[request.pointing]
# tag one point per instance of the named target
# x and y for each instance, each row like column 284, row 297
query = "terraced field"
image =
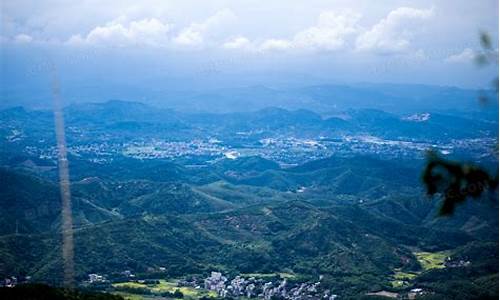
column 428, row 261
column 432, row 260
column 154, row 291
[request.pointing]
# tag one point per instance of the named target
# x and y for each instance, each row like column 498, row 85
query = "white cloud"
column 23, row 38
column 275, row 44
column 195, row 34
column 239, row 42
column 150, row 32
column 75, row 40
column 392, row 34
column 467, row 55
column 190, row 36
column 329, row 33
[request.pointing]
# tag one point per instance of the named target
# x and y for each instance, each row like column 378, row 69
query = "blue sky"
column 226, row 43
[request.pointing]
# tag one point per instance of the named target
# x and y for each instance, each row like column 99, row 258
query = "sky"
column 209, row 44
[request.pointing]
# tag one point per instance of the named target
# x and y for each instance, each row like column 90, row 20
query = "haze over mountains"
column 322, row 99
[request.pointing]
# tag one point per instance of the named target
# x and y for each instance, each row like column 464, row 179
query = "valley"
column 283, row 197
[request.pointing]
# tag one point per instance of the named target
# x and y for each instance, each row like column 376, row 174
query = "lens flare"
column 64, row 183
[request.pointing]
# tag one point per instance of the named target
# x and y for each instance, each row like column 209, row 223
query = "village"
column 263, row 289
column 217, row 285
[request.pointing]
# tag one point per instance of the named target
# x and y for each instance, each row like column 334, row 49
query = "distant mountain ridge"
column 136, row 118
column 325, row 98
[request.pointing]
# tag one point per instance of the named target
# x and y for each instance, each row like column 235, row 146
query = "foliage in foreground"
column 45, row 292
column 457, row 181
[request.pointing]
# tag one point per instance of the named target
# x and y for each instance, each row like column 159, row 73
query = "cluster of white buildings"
column 9, row 282
column 96, row 278
column 259, row 288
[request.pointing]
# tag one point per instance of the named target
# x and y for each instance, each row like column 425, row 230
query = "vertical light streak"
column 67, row 219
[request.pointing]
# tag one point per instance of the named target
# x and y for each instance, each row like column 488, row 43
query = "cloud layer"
column 393, row 33
column 328, row 34
column 195, row 34
column 465, row 56
column 150, row 32
column 332, row 31
column 362, row 40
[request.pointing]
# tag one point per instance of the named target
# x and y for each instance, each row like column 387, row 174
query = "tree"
column 456, row 181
